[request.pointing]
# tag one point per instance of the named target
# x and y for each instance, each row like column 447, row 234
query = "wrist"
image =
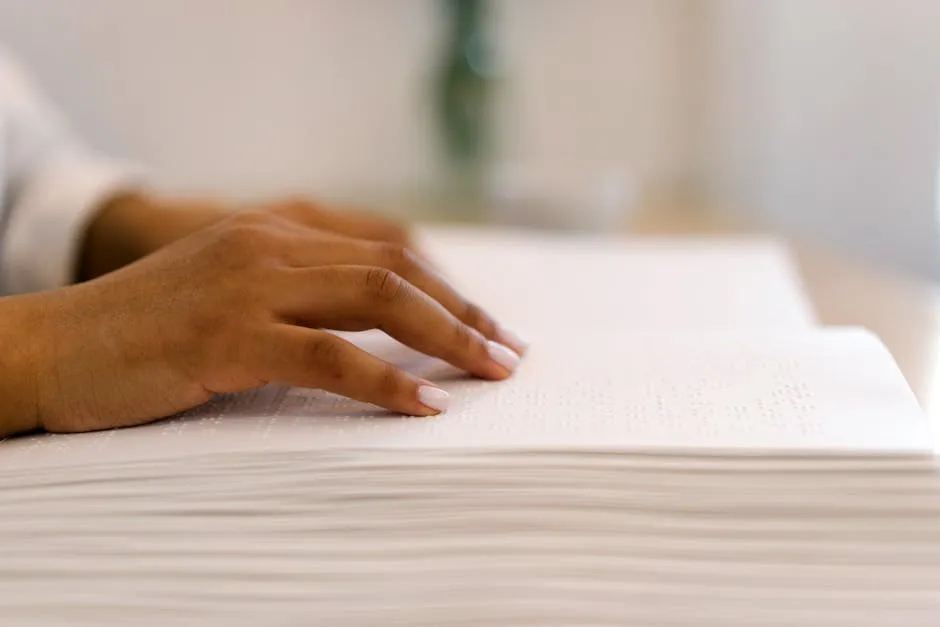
column 133, row 225
column 23, row 350
column 116, row 236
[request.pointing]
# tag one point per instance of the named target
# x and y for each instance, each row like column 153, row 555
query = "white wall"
column 258, row 96
column 820, row 116
column 823, row 116
column 602, row 81
column 244, row 96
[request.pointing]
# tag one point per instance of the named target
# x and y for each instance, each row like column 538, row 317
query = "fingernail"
column 504, row 356
column 434, row 398
column 513, row 339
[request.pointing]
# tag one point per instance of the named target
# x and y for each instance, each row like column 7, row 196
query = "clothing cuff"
column 50, row 216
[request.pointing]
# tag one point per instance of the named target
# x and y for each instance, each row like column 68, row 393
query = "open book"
column 682, row 446
column 815, row 391
column 741, row 367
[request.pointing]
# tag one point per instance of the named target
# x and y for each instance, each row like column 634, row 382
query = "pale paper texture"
column 491, row 540
column 826, row 390
column 767, row 473
column 542, row 281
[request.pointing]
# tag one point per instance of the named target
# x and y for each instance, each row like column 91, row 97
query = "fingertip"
column 433, row 399
column 513, row 340
column 503, row 356
column 500, row 362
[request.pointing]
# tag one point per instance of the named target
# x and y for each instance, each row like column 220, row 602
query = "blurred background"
column 817, row 118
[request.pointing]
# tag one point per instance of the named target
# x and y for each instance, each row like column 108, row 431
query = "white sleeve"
column 54, row 185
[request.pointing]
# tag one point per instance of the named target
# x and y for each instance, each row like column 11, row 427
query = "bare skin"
column 183, row 302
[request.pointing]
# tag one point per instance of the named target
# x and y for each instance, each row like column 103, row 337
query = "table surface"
column 904, row 312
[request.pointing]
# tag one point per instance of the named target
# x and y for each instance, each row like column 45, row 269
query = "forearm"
column 131, row 225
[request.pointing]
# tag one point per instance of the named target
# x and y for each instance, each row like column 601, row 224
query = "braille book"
column 681, row 445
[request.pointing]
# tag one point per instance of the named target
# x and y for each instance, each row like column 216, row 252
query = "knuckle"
column 326, row 355
column 467, row 338
column 243, row 232
column 390, row 383
column 228, row 318
column 295, row 208
column 397, row 234
column 475, row 317
column 246, row 239
column 302, row 203
column 249, row 219
column 397, row 257
column 219, row 330
column 383, row 285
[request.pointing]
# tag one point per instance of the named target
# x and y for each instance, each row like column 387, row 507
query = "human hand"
column 132, row 225
column 243, row 303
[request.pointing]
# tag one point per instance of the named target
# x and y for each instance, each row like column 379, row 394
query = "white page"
column 543, row 281
column 834, row 390
column 472, row 540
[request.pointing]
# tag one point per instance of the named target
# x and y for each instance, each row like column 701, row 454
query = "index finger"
column 355, row 298
column 310, row 252
column 317, row 359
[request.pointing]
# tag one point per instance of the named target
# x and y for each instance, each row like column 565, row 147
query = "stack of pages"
column 681, row 446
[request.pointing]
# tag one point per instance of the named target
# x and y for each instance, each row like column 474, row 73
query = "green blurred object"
column 464, row 90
